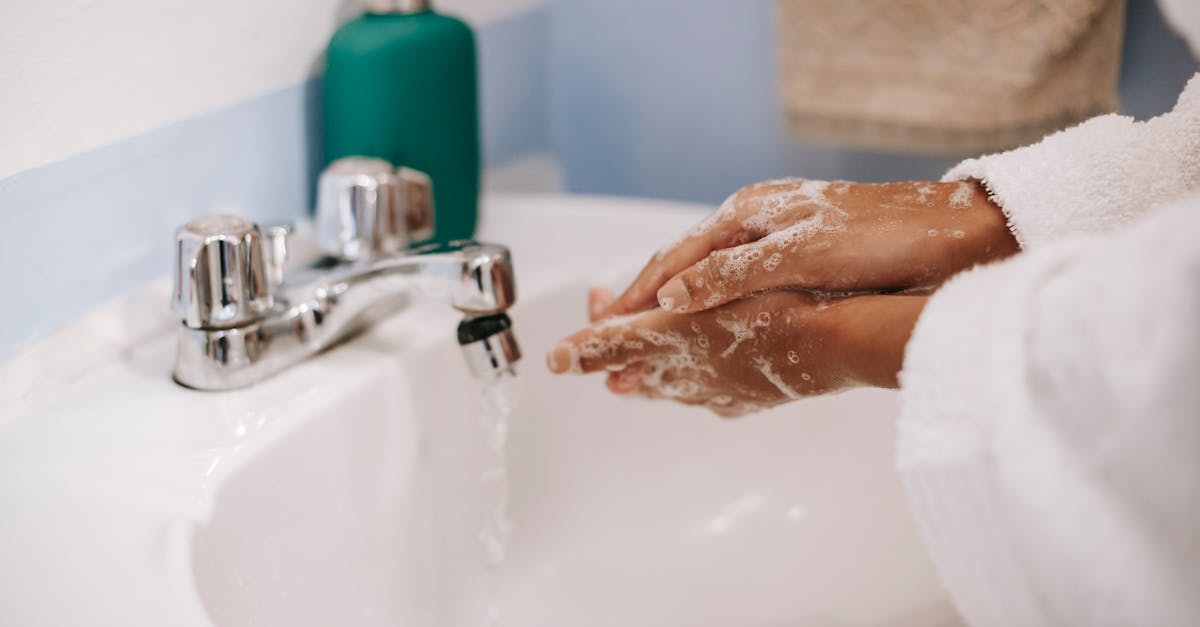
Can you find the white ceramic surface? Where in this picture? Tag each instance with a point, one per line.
(346, 491)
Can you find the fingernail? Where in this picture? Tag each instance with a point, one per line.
(558, 360)
(674, 296)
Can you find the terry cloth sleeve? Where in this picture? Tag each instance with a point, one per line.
(1049, 436)
(1094, 177)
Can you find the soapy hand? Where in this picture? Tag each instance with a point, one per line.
(834, 237)
(747, 355)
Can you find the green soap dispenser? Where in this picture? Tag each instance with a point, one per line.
(400, 85)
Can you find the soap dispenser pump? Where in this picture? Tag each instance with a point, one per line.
(400, 85)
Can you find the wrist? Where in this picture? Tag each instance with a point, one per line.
(871, 335)
(998, 237)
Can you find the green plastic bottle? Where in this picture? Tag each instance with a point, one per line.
(400, 85)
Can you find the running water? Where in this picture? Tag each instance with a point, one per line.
(498, 398)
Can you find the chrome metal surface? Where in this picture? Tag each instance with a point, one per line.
(366, 209)
(221, 277)
(397, 6)
(328, 301)
(416, 198)
(488, 344)
(358, 209)
(275, 247)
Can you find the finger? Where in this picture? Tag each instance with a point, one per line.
(605, 346)
(716, 232)
(730, 411)
(733, 273)
(599, 299)
(630, 378)
(719, 231)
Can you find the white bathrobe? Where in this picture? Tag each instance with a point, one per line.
(1049, 436)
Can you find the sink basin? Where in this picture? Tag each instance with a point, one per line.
(348, 490)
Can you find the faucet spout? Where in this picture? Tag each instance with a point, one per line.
(488, 344)
(477, 278)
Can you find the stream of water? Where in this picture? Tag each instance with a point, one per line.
(499, 397)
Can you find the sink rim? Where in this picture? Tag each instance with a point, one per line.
(163, 471)
(157, 468)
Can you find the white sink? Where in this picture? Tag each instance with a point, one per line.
(346, 491)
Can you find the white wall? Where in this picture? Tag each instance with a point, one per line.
(77, 75)
(146, 113)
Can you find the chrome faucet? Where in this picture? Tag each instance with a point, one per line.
(244, 317)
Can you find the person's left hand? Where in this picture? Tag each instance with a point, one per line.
(747, 355)
(834, 237)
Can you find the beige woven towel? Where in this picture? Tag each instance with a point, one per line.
(946, 76)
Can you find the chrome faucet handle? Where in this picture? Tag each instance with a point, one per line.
(221, 274)
(366, 209)
(276, 251)
(357, 200)
(416, 196)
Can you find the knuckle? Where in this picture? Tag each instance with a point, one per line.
(735, 267)
(701, 277)
(694, 281)
(747, 193)
(733, 198)
(734, 201)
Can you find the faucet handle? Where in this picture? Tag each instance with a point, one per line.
(367, 209)
(221, 276)
(416, 196)
(276, 251)
(357, 201)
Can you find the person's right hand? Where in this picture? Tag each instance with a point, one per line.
(838, 237)
(752, 354)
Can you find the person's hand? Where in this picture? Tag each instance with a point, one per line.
(748, 355)
(835, 237)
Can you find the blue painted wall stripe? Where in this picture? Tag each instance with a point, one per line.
(84, 230)
(79, 232)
